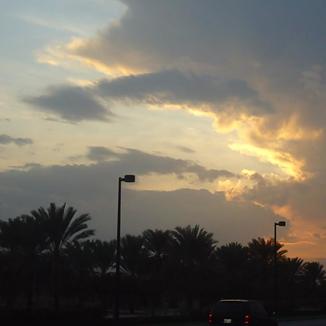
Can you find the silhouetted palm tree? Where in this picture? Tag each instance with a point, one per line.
(23, 238)
(192, 252)
(62, 227)
(183, 263)
(313, 277)
(233, 255)
(103, 255)
(102, 262)
(261, 263)
(262, 250)
(134, 263)
(157, 244)
(234, 258)
(290, 270)
(77, 268)
(193, 245)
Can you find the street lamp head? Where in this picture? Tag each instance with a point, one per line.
(129, 178)
(281, 223)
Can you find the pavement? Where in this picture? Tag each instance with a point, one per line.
(316, 322)
(313, 322)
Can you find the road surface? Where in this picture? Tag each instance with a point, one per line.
(317, 322)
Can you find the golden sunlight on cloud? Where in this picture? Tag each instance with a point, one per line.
(229, 119)
(234, 188)
(285, 161)
(65, 55)
(243, 124)
(290, 129)
(81, 82)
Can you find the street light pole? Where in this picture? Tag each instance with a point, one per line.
(280, 223)
(117, 266)
(126, 178)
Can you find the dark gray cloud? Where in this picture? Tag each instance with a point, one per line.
(305, 199)
(93, 189)
(145, 163)
(273, 46)
(155, 34)
(163, 87)
(176, 87)
(6, 139)
(229, 221)
(71, 103)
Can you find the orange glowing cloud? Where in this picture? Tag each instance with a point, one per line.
(302, 239)
(66, 55)
(285, 161)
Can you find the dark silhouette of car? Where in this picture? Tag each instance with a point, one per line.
(240, 313)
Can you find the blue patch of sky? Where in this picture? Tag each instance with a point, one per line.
(29, 26)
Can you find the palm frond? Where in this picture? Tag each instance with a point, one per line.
(83, 235)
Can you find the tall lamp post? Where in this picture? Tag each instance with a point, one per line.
(126, 178)
(276, 224)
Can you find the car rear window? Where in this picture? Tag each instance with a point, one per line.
(230, 307)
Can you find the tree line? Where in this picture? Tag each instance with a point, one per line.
(50, 259)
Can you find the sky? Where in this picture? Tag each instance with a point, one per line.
(217, 107)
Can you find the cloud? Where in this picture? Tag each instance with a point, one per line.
(99, 153)
(229, 221)
(71, 103)
(245, 65)
(185, 149)
(93, 188)
(145, 163)
(301, 202)
(304, 200)
(258, 69)
(6, 139)
(176, 87)
(153, 35)
(269, 46)
(168, 87)
(26, 166)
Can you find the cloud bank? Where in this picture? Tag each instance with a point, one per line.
(93, 188)
(258, 69)
(70, 103)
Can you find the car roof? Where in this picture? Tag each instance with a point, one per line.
(236, 300)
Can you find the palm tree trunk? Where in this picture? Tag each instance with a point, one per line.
(31, 283)
(55, 280)
(30, 292)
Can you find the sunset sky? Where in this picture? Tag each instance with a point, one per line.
(218, 107)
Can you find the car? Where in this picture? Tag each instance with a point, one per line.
(236, 312)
